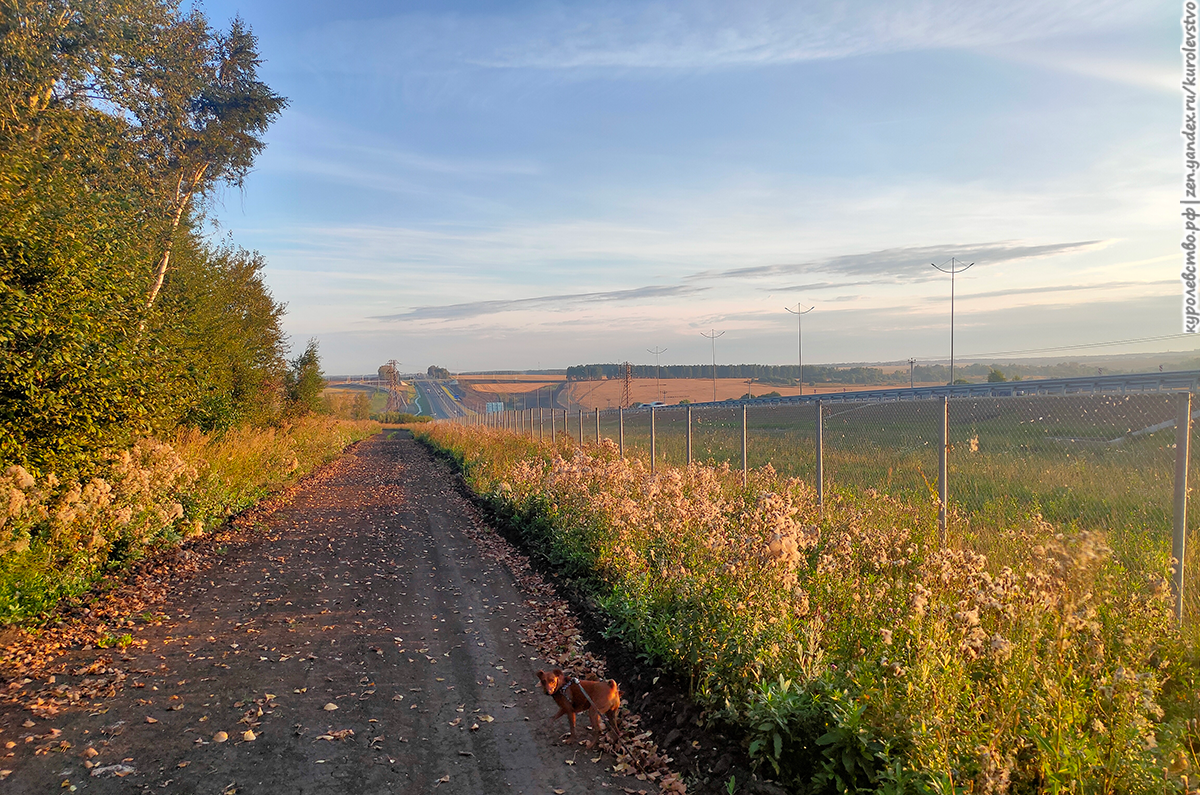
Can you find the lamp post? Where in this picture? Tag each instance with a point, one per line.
(911, 362)
(952, 268)
(712, 335)
(800, 338)
(657, 352)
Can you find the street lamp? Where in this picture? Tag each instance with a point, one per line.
(800, 337)
(952, 268)
(657, 352)
(712, 335)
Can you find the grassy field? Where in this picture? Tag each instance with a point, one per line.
(857, 653)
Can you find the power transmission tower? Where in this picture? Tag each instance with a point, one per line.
(657, 352)
(911, 362)
(627, 387)
(800, 337)
(952, 268)
(394, 401)
(712, 335)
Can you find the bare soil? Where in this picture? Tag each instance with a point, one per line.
(369, 635)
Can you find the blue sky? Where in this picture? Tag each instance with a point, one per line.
(512, 185)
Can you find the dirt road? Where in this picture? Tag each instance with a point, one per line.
(358, 643)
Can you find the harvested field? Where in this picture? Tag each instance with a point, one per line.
(607, 394)
(511, 387)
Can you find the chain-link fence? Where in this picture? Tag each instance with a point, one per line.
(1085, 462)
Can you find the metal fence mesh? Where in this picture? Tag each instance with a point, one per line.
(1083, 462)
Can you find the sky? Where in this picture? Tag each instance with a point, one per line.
(512, 185)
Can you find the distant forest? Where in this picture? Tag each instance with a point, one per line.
(823, 374)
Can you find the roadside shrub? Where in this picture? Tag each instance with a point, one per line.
(57, 537)
(856, 653)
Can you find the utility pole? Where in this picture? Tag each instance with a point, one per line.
(800, 338)
(712, 335)
(657, 352)
(952, 268)
(911, 362)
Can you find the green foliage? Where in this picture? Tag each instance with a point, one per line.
(304, 381)
(438, 372)
(113, 115)
(996, 376)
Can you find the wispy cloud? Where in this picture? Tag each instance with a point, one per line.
(910, 264)
(817, 286)
(1060, 288)
(706, 34)
(476, 308)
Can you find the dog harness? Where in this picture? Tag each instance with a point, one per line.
(574, 681)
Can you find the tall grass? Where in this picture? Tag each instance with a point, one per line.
(57, 537)
(855, 651)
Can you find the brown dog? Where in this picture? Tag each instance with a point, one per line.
(574, 696)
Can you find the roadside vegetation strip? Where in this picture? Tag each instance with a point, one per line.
(559, 639)
(58, 537)
(853, 651)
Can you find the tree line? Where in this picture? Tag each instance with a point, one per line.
(120, 121)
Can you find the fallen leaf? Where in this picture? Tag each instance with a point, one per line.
(184, 763)
(91, 753)
(474, 727)
(220, 737)
(443, 780)
(249, 736)
(330, 707)
(486, 718)
(151, 720)
(455, 722)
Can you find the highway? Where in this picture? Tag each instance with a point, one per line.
(437, 400)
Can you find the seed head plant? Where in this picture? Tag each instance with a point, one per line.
(856, 653)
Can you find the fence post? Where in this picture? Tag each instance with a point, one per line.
(744, 462)
(621, 430)
(566, 425)
(689, 435)
(553, 433)
(597, 425)
(820, 454)
(581, 427)
(943, 474)
(1183, 435)
(653, 453)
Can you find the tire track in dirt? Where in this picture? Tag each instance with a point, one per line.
(365, 593)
